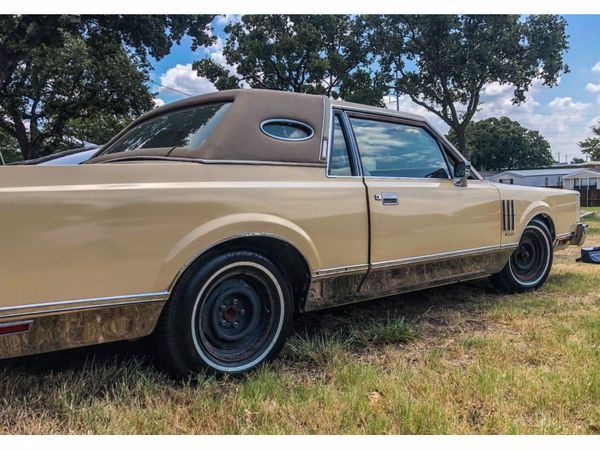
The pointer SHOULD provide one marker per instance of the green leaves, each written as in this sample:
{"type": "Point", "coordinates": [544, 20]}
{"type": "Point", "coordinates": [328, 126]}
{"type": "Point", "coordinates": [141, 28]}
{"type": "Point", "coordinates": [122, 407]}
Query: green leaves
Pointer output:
{"type": "Point", "coordinates": [319, 54]}
{"type": "Point", "coordinates": [591, 146]}
{"type": "Point", "coordinates": [443, 62]}
{"type": "Point", "coordinates": [62, 78]}
{"type": "Point", "coordinates": [503, 144]}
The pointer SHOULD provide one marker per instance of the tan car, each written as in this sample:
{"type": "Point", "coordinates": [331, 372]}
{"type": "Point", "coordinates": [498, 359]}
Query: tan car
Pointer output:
{"type": "Point", "coordinates": [210, 222]}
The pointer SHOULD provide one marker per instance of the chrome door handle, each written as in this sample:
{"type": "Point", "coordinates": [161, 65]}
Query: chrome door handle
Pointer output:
{"type": "Point", "coordinates": [387, 198]}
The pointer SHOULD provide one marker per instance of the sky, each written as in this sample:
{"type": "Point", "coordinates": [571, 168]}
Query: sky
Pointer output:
{"type": "Point", "coordinates": [562, 114]}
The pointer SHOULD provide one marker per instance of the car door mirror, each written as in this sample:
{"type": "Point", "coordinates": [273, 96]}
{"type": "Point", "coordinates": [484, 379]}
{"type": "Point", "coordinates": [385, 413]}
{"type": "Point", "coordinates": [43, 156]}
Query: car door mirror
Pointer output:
{"type": "Point", "coordinates": [462, 172]}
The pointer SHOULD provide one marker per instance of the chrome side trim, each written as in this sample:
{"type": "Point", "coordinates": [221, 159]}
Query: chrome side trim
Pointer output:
{"type": "Point", "coordinates": [405, 276]}
{"type": "Point", "coordinates": [38, 309]}
{"type": "Point", "coordinates": [340, 270]}
{"type": "Point", "coordinates": [78, 328]}
{"type": "Point", "coordinates": [440, 256]}
{"type": "Point", "coordinates": [240, 162]}
{"type": "Point", "coordinates": [323, 273]}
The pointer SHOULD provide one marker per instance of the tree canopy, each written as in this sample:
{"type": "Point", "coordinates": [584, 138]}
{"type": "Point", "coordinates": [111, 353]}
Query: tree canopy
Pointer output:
{"type": "Point", "coordinates": [503, 144]}
{"type": "Point", "coordinates": [319, 54]}
{"type": "Point", "coordinates": [591, 145]}
{"type": "Point", "coordinates": [442, 62]}
{"type": "Point", "coordinates": [145, 35]}
{"type": "Point", "coordinates": [58, 86]}
{"type": "Point", "coordinates": [60, 73]}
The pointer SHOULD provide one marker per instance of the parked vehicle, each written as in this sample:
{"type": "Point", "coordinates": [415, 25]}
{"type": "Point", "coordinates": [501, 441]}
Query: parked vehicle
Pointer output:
{"type": "Point", "coordinates": [65, 158]}
{"type": "Point", "coordinates": [211, 221]}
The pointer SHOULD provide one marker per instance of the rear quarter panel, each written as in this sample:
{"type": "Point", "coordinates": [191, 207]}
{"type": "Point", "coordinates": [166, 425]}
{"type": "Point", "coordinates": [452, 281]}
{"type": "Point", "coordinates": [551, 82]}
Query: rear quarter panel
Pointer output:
{"type": "Point", "coordinates": [79, 232]}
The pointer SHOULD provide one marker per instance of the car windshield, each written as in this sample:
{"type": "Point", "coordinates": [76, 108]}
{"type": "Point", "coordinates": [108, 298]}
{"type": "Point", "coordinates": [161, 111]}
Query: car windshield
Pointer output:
{"type": "Point", "coordinates": [186, 128]}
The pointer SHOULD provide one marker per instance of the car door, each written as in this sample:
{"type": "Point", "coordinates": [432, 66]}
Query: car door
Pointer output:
{"type": "Point", "coordinates": [418, 215]}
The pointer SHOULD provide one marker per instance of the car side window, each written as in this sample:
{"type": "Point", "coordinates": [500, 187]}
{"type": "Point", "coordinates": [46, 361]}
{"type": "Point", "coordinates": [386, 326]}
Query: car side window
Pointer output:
{"type": "Point", "coordinates": [390, 149]}
{"type": "Point", "coordinates": [339, 160]}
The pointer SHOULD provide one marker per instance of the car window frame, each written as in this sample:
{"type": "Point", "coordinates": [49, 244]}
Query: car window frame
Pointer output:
{"type": "Point", "coordinates": [401, 121]}
{"type": "Point", "coordinates": [353, 156]}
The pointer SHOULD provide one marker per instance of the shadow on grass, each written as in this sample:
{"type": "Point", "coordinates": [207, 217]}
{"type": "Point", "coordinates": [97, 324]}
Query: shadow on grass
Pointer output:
{"type": "Point", "coordinates": [316, 336]}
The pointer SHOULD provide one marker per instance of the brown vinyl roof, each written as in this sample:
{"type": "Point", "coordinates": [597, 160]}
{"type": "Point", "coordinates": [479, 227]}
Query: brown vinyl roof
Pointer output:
{"type": "Point", "coordinates": [238, 136]}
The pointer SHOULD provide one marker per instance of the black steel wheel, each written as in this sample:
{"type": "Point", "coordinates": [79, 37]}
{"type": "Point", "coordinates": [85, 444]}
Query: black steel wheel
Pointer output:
{"type": "Point", "coordinates": [530, 263]}
{"type": "Point", "coordinates": [228, 316]}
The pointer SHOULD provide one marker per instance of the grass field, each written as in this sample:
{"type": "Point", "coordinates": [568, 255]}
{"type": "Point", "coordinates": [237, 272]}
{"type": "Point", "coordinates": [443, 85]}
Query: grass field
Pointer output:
{"type": "Point", "coordinates": [458, 359]}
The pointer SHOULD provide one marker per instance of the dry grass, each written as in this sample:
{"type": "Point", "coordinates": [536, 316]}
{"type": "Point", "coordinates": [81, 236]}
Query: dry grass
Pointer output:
{"type": "Point", "coordinates": [458, 359]}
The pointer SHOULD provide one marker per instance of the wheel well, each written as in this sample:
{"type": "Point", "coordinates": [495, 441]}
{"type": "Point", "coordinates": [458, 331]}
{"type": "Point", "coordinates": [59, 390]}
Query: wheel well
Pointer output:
{"type": "Point", "coordinates": [548, 221]}
{"type": "Point", "coordinates": [284, 255]}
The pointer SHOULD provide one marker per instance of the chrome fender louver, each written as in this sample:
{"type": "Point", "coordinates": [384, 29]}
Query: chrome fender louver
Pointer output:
{"type": "Point", "coordinates": [508, 217]}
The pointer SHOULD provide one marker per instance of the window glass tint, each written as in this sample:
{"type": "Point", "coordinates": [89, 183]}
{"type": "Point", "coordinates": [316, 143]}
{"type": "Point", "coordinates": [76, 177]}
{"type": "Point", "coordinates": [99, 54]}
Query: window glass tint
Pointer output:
{"type": "Point", "coordinates": [396, 150]}
{"type": "Point", "coordinates": [187, 128]}
{"type": "Point", "coordinates": [339, 162]}
{"type": "Point", "coordinates": [287, 130]}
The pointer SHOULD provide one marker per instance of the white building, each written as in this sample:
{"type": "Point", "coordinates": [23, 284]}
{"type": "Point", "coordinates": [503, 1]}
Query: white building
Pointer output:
{"type": "Point", "coordinates": [552, 177]}
{"type": "Point", "coordinates": [582, 179]}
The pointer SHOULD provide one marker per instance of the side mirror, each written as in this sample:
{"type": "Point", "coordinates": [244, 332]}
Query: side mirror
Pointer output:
{"type": "Point", "coordinates": [462, 171]}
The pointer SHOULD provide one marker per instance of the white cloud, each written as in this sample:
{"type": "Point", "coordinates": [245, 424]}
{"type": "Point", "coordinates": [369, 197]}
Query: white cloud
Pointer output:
{"type": "Point", "coordinates": [567, 103]}
{"type": "Point", "coordinates": [226, 19]}
{"type": "Point", "coordinates": [496, 88]}
{"type": "Point", "coordinates": [158, 102]}
{"type": "Point", "coordinates": [185, 79]}
{"type": "Point", "coordinates": [563, 125]}
{"type": "Point", "coordinates": [591, 87]}
{"type": "Point", "coordinates": [596, 67]}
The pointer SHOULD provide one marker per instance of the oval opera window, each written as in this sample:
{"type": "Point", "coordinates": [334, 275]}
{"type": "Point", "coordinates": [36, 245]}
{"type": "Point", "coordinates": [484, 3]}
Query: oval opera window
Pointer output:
{"type": "Point", "coordinates": [286, 129]}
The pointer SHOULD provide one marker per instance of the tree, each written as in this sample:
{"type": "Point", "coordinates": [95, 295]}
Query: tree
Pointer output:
{"type": "Point", "coordinates": [9, 148]}
{"type": "Point", "coordinates": [98, 128]}
{"type": "Point", "coordinates": [145, 35]}
{"type": "Point", "coordinates": [442, 62]}
{"type": "Point", "coordinates": [591, 146]}
{"type": "Point", "coordinates": [59, 70]}
{"type": "Point", "coordinates": [319, 54]}
{"type": "Point", "coordinates": [503, 144]}
{"type": "Point", "coordinates": [57, 87]}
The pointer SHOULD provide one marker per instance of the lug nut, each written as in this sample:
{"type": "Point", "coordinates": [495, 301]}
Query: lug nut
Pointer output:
{"type": "Point", "coordinates": [235, 301]}
{"type": "Point", "coordinates": [235, 324]}
{"type": "Point", "coordinates": [242, 311]}
{"type": "Point", "coordinates": [223, 323]}
{"type": "Point", "coordinates": [223, 308]}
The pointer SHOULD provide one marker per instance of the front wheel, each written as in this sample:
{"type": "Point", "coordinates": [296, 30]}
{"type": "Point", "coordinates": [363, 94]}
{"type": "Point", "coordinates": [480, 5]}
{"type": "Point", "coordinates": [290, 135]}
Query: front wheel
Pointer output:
{"type": "Point", "coordinates": [530, 264]}
{"type": "Point", "coordinates": [227, 315]}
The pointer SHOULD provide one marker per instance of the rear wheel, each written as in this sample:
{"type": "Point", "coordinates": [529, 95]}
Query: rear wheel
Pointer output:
{"type": "Point", "coordinates": [530, 264]}
{"type": "Point", "coordinates": [227, 315]}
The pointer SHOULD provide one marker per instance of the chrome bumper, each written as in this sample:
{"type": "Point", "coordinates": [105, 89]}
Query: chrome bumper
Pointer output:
{"type": "Point", "coordinates": [579, 235]}
{"type": "Point", "coordinates": [576, 237]}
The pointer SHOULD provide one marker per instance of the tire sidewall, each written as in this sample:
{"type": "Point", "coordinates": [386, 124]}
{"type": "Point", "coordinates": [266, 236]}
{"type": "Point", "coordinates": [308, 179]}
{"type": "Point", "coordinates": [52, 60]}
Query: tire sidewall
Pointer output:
{"type": "Point", "coordinates": [543, 230]}
{"type": "Point", "coordinates": [190, 296]}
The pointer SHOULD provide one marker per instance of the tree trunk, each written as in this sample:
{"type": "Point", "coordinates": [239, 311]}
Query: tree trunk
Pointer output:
{"type": "Point", "coordinates": [461, 138]}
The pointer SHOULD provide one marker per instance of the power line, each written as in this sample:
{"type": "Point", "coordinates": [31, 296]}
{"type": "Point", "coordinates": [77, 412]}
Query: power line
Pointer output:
{"type": "Point", "coordinates": [170, 88]}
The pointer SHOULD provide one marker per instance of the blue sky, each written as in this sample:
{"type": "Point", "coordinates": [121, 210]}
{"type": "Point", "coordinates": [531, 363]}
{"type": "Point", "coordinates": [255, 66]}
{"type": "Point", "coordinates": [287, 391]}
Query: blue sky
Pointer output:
{"type": "Point", "coordinates": [562, 114]}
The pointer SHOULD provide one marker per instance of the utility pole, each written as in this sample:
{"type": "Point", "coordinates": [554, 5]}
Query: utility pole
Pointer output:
{"type": "Point", "coordinates": [559, 157]}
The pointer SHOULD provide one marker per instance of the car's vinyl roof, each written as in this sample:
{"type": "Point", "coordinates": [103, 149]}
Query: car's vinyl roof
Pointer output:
{"type": "Point", "coordinates": [238, 136]}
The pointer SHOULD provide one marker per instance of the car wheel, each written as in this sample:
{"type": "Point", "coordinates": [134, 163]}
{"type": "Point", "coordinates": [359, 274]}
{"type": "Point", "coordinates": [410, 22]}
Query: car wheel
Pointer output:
{"type": "Point", "coordinates": [226, 315]}
{"type": "Point", "coordinates": [530, 264]}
